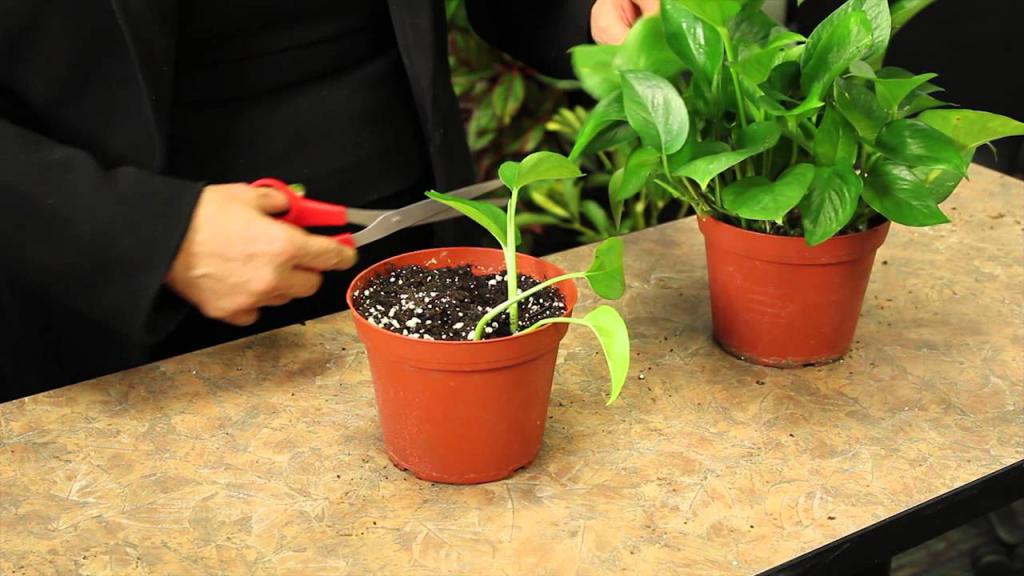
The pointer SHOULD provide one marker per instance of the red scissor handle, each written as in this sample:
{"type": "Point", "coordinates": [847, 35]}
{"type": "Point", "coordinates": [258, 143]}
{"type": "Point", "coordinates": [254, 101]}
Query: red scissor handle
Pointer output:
{"type": "Point", "coordinates": [308, 212]}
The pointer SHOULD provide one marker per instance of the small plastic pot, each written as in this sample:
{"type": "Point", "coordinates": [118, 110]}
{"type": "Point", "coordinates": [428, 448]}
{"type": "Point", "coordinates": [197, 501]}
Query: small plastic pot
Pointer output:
{"type": "Point", "coordinates": [778, 302]}
{"type": "Point", "coordinates": [462, 412]}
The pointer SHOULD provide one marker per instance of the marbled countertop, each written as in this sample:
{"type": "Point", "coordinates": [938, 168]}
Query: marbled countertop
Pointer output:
{"type": "Point", "coordinates": [263, 456]}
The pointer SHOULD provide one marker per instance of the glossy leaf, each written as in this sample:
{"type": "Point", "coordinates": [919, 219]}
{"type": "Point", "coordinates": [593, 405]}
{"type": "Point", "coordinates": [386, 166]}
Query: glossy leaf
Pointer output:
{"type": "Point", "coordinates": [606, 114]}
{"type": "Point", "coordinates": [645, 48]}
{"type": "Point", "coordinates": [972, 128]}
{"type": "Point", "coordinates": [860, 107]}
{"type": "Point", "coordinates": [538, 167]}
{"type": "Point", "coordinates": [694, 150]}
{"type": "Point", "coordinates": [696, 42]}
{"type": "Point", "coordinates": [508, 173]}
{"type": "Point", "coordinates": [491, 217]}
{"type": "Point", "coordinates": [879, 26]}
{"type": "Point", "coordinates": [758, 198]}
{"type": "Point", "coordinates": [862, 69]}
{"type": "Point", "coordinates": [593, 65]}
{"type": "Point", "coordinates": [718, 13]}
{"type": "Point", "coordinates": [897, 193]}
{"type": "Point", "coordinates": [915, 143]}
{"type": "Point", "coordinates": [835, 142]}
{"type": "Point", "coordinates": [606, 274]}
{"type": "Point", "coordinates": [940, 183]}
{"type": "Point", "coordinates": [756, 138]}
{"type": "Point", "coordinates": [619, 133]}
{"type": "Point", "coordinates": [918, 102]}
{"type": "Point", "coordinates": [655, 110]}
{"type": "Point", "coordinates": [830, 202]}
{"type": "Point", "coordinates": [892, 91]}
{"type": "Point", "coordinates": [842, 39]}
{"type": "Point", "coordinates": [639, 165]}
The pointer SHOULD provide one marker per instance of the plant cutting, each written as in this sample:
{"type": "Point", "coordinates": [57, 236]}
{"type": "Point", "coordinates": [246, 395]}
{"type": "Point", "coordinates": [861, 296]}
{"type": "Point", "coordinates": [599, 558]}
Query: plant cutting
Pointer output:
{"type": "Point", "coordinates": [462, 342]}
{"type": "Point", "coordinates": [797, 153]}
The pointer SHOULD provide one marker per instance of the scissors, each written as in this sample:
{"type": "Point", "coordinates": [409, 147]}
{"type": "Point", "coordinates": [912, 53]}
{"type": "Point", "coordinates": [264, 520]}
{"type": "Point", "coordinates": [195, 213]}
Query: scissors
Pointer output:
{"type": "Point", "coordinates": [377, 224]}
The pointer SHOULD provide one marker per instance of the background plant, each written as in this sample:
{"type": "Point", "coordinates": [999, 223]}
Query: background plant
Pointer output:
{"type": "Point", "coordinates": [605, 275]}
{"type": "Point", "coordinates": [715, 103]}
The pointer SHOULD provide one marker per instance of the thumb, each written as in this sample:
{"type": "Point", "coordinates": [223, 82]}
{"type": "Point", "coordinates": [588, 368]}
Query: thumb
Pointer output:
{"type": "Point", "coordinates": [323, 253]}
{"type": "Point", "coordinates": [268, 200]}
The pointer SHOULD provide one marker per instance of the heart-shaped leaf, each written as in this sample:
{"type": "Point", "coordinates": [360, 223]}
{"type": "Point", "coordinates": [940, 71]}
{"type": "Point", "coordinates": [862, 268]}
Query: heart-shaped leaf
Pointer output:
{"type": "Point", "coordinates": [835, 142]}
{"type": "Point", "coordinates": [755, 138]}
{"type": "Point", "coordinates": [697, 43]}
{"type": "Point", "coordinates": [892, 91]}
{"type": "Point", "coordinates": [879, 24]}
{"type": "Point", "coordinates": [972, 128]}
{"type": "Point", "coordinates": [538, 167]}
{"type": "Point", "coordinates": [915, 143]}
{"type": "Point", "coordinates": [841, 40]}
{"type": "Point", "coordinates": [718, 13]}
{"type": "Point", "coordinates": [606, 114]}
{"type": "Point", "coordinates": [693, 150]}
{"type": "Point", "coordinates": [758, 198]}
{"type": "Point", "coordinates": [646, 48]}
{"type": "Point", "coordinates": [655, 110]}
{"type": "Point", "coordinates": [895, 191]}
{"type": "Point", "coordinates": [491, 217]}
{"type": "Point", "coordinates": [606, 275]}
{"type": "Point", "coordinates": [593, 64]}
{"type": "Point", "coordinates": [612, 334]}
{"type": "Point", "coordinates": [830, 203]}
{"type": "Point", "coordinates": [860, 107]}
{"type": "Point", "coordinates": [940, 183]}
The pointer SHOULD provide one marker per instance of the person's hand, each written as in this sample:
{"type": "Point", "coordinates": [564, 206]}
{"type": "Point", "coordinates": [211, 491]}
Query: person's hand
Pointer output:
{"type": "Point", "coordinates": [610, 20]}
{"type": "Point", "coordinates": [235, 258]}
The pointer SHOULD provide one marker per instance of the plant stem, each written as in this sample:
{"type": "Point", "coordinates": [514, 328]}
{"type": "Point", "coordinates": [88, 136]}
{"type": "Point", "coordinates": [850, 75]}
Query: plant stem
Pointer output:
{"type": "Point", "coordinates": [730, 54]}
{"type": "Point", "coordinates": [792, 158]}
{"type": "Point", "coordinates": [511, 273]}
{"type": "Point", "coordinates": [511, 302]}
{"type": "Point", "coordinates": [556, 320]}
{"type": "Point", "coordinates": [605, 161]}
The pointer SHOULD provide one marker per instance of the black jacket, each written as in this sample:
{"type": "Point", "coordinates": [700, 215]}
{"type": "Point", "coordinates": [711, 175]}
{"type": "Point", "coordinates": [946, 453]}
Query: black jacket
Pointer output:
{"type": "Point", "coordinates": [90, 224]}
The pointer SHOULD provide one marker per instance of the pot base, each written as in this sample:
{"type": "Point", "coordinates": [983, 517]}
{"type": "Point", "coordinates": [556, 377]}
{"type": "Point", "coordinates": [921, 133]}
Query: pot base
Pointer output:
{"type": "Point", "coordinates": [780, 362]}
{"type": "Point", "coordinates": [448, 479]}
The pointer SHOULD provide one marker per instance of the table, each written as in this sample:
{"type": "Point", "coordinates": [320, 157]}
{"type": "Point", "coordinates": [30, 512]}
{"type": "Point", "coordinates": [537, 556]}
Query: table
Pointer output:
{"type": "Point", "coordinates": [263, 456]}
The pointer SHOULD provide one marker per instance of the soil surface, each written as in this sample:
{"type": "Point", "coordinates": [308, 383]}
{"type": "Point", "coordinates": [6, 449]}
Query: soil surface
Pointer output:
{"type": "Point", "coordinates": [446, 303]}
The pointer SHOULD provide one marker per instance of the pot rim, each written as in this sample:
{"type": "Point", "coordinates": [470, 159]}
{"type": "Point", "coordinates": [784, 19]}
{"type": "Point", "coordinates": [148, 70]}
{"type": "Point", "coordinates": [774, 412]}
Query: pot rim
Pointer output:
{"type": "Point", "coordinates": [363, 276]}
{"type": "Point", "coordinates": [777, 238]}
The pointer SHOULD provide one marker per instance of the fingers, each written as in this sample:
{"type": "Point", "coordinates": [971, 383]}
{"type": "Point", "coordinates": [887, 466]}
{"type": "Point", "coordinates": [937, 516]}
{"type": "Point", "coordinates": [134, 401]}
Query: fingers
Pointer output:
{"type": "Point", "coordinates": [648, 7]}
{"type": "Point", "coordinates": [243, 317]}
{"type": "Point", "coordinates": [323, 253]}
{"type": "Point", "coordinates": [269, 200]}
{"type": "Point", "coordinates": [298, 284]}
{"type": "Point", "coordinates": [610, 20]}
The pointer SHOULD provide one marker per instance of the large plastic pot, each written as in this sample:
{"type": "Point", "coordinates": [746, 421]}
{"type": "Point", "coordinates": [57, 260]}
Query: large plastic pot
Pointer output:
{"type": "Point", "coordinates": [776, 301]}
{"type": "Point", "coordinates": [462, 412]}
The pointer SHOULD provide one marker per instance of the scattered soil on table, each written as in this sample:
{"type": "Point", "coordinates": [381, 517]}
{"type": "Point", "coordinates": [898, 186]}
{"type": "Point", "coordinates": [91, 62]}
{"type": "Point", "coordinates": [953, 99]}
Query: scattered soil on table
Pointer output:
{"type": "Point", "coordinates": [446, 303]}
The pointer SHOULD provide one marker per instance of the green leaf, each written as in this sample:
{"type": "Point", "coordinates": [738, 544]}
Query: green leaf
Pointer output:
{"type": "Point", "coordinates": [843, 38]}
{"type": "Point", "coordinates": [508, 173]}
{"type": "Point", "coordinates": [940, 183]}
{"type": "Point", "coordinates": [860, 107]}
{"type": "Point", "coordinates": [299, 189]}
{"type": "Point", "coordinates": [862, 69]}
{"type": "Point", "coordinates": [718, 13]}
{"type": "Point", "coordinates": [526, 219]}
{"type": "Point", "coordinates": [491, 217]}
{"type": "Point", "coordinates": [835, 142]}
{"type": "Point", "coordinates": [830, 203]}
{"type": "Point", "coordinates": [758, 198]}
{"type": "Point", "coordinates": [611, 332]}
{"type": "Point", "coordinates": [918, 102]}
{"type": "Point", "coordinates": [619, 133]}
{"type": "Point", "coordinates": [646, 48]}
{"type": "Point", "coordinates": [655, 110]}
{"type": "Point", "coordinates": [755, 138]}
{"type": "Point", "coordinates": [904, 10]}
{"type": "Point", "coordinates": [614, 184]}
{"type": "Point", "coordinates": [507, 96]}
{"type": "Point", "coordinates": [879, 24]}
{"type": "Point", "coordinates": [593, 64]}
{"type": "Point", "coordinates": [548, 205]}
{"type": "Point", "coordinates": [898, 194]}
{"type": "Point", "coordinates": [596, 214]}
{"type": "Point", "coordinates": [756, 66]}
{"type": "Point", "coordinates": [694, 150]}
{"type": "Point", "coordinates": [606, 114]}
{"type": "Point", "coordinates": [971, 128]}
{"type": "Point", "coordinates": [696, 42]}
{"type": "Point", "coordinates": [606, 275]}
{"type": "Point", "coordinates": [639, 165]}
{"type": "Point", "coordinates": [915, 143]}
{"type": "Point", "coordinates": [538, 167]}
{"type": "Point", "coordinates": [892, 91]}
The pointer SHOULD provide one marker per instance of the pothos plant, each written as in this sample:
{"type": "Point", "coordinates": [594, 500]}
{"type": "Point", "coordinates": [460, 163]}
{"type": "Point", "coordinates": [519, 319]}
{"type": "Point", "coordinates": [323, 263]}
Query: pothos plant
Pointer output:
{"type": "Point", "coordinates": [605, 275]}
{"type": "Point", "coordinates": [771, 131]}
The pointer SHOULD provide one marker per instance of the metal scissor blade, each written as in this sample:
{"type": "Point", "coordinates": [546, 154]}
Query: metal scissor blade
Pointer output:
{"type": "Point", "coordinates": [413, 214]}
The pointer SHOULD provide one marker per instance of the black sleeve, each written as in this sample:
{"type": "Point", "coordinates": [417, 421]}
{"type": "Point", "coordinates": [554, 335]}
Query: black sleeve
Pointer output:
{"type": "Point", "coordinates": [98, 241]}
{"type": "Point", "coordinates": [537, 33]}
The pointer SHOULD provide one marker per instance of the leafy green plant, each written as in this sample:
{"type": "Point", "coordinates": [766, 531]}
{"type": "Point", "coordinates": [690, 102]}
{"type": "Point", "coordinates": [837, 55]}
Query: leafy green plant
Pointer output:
{"type": "Point", "coordinates": [771, 131]}
{"type": "Point", "coordinates": [605, 275]}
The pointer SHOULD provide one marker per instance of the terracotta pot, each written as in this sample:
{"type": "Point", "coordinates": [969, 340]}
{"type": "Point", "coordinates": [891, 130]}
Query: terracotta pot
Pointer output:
{"type": "Point", "coordinates": [777, 301]}
{"type": "Point", "coordinates": [462, 412]}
